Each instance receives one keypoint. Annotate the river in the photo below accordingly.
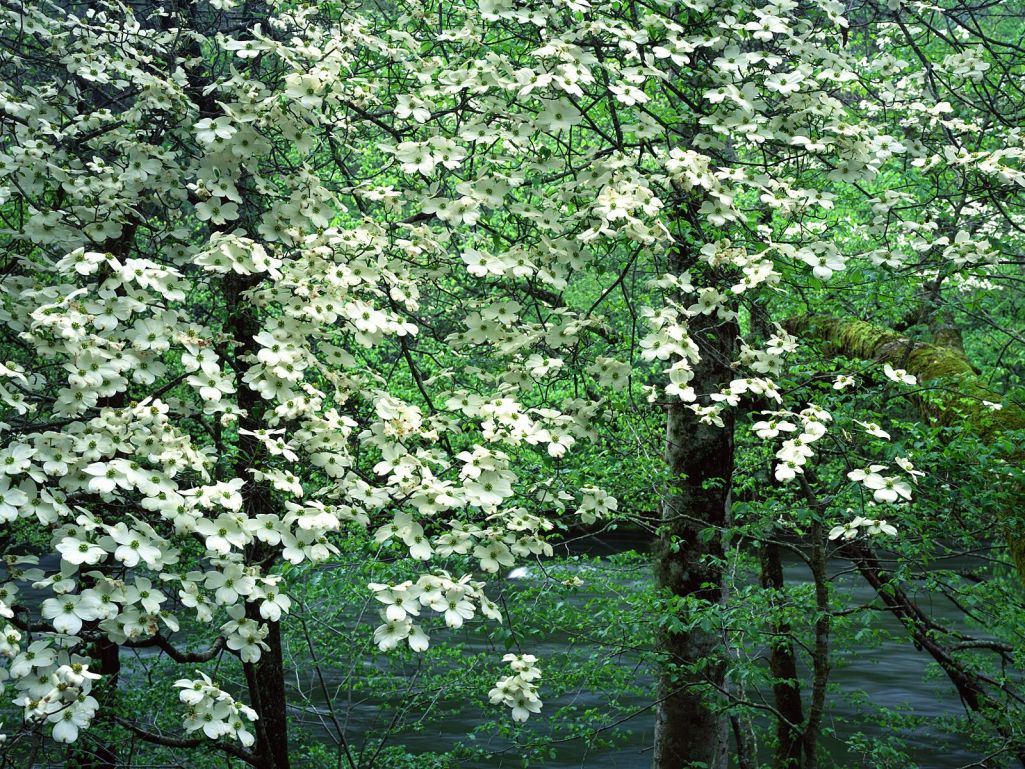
(887, 672)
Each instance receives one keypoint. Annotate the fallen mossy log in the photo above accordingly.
(953, 393)
(960, 395)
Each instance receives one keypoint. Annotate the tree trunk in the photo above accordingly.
(689, 729)
(820, 649)
(105, 654)
(786, 690)
(98, 750)
(266, 683)
(265, 678)
(786, 686)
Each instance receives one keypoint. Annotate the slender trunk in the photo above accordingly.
(689, 728)
(109, 654)
(265, 678)
(744, 735)
(970, 686)
(266, 682)
(786, 689)
(786, 686)
(820, 650)
(99, 751)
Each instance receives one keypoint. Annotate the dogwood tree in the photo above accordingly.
(203, 280)
(229, 229)
(672, 166)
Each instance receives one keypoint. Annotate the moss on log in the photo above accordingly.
(952, 392)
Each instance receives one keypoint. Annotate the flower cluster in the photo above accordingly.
(596, 504)
(53, 687)
(214, 711)
(810, 426)
(519, 690)
(457, 600)
(884, 488)
(858, 525)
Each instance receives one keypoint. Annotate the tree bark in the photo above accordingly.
(106, 655)
(689, 729)
(786, 690)
(820, 649)
(266, 678)
(786, 686)
(266, 683)
(99, 751)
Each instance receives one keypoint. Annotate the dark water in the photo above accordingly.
(887, 672)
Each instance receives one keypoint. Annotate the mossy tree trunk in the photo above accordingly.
(689, 729)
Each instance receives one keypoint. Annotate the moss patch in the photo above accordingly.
(953, 392)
